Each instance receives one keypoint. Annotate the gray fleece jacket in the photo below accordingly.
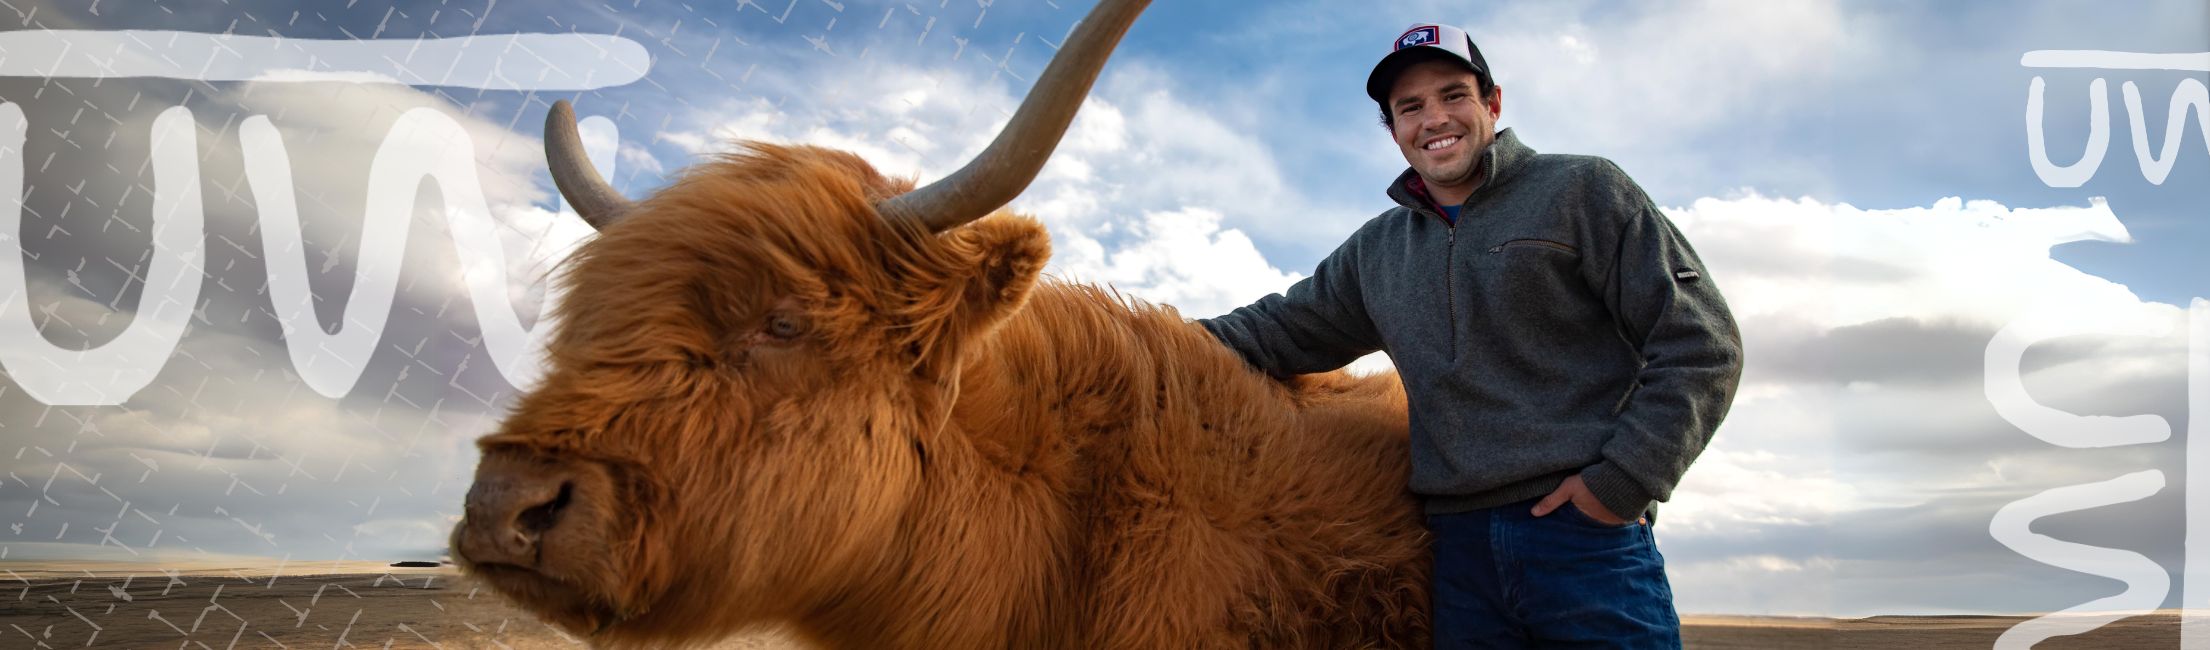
(1561, 326)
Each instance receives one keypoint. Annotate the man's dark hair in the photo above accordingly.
(1487, 88)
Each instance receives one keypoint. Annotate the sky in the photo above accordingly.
(1855, 174)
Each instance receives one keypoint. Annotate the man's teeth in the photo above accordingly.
(1438, 144)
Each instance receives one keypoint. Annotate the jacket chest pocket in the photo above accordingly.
(1537, 279)
(1514, 253)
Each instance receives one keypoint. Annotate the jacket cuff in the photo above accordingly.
(1619, 493)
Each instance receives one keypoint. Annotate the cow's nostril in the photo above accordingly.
(542, 517)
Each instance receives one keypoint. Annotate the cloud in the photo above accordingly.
(331, 135)
(1180, 258)
(1862, 437)
(227, 452)
(1622, 80)
(1135, 195)
(1770, 585)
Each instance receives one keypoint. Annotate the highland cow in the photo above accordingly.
(787, 389)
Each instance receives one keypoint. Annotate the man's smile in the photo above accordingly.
(1442, 143)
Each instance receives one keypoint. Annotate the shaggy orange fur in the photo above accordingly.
(949, 452)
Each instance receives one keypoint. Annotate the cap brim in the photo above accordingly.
(1385, 72)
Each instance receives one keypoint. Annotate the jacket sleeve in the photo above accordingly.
(1319, 324)
(1667, 305)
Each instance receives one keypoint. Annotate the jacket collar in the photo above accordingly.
(1498, 162)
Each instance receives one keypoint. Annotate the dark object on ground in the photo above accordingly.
(415, 564)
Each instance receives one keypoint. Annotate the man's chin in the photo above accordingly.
(1455, 174)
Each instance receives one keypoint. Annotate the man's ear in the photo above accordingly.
(990, 267)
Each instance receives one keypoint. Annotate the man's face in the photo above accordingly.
(1442, 125)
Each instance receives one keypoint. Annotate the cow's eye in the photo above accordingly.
(785, 326)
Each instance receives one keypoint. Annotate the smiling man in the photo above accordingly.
(1564, 352)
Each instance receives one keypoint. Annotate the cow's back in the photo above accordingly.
(1218, 505)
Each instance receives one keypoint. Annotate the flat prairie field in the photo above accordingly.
(371, 605)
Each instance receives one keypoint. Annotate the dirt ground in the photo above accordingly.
(359, 605)
(371, 606)
(2159, 631)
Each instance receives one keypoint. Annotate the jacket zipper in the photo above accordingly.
(1450, 284)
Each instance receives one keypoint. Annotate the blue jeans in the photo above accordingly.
(1505, 578)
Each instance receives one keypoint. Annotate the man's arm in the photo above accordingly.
(1666, 305)
(1319, 324)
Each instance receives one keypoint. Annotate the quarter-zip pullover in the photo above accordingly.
(1560, 325)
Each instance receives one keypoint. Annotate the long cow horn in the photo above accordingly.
(993, 178)
(593, 198)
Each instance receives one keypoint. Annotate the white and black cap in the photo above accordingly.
(1419, 43)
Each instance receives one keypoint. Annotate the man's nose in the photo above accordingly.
(507, 514)
(1434, 120)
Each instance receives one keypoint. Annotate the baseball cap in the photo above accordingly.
(1424, 40)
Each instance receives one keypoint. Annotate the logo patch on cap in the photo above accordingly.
(1425, 35)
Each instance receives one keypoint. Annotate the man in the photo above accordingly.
(1565, 354)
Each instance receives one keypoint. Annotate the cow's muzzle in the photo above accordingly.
(509, 510)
